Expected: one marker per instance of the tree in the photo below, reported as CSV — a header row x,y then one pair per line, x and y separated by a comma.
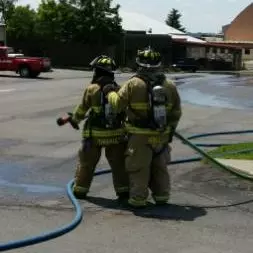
x,y
6,9
94,22
98,21
173,20
57,20
21,24
89,21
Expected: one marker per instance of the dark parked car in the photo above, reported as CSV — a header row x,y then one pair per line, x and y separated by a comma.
x,y
186,64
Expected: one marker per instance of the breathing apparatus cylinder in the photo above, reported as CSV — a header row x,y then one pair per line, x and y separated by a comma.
x,y
159,106
109,114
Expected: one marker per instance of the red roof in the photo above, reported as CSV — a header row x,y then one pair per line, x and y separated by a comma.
x,y
207,44
222,45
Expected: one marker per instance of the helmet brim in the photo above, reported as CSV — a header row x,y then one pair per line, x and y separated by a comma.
x,y
145,65
105,69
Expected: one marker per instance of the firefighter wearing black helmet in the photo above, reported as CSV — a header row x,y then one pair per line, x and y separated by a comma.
x,y
153,109
102,128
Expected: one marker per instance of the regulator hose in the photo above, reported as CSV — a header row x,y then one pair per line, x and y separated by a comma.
x,y
79,214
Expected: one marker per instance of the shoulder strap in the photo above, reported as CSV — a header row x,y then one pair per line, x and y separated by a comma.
x,y
145,79
149,96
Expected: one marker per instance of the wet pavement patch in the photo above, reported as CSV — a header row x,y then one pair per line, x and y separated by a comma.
x,y
222,91
239,81
7,143
194,96
209,177
30,188
18,176
11,170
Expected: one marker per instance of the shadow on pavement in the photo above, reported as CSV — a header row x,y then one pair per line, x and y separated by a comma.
x,y
166,212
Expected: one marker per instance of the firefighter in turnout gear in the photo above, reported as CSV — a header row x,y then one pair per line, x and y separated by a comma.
x,y
102,128
153,109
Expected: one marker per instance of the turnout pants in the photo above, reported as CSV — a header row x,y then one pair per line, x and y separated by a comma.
x,y
88,157
147,169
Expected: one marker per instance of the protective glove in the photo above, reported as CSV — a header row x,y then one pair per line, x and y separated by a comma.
x,y
172,132
73,122
108,88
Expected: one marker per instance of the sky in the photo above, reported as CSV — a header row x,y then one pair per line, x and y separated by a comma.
x,y
197,15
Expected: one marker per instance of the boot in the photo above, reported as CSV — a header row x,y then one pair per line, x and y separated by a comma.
x,y
123,197
135,205
79,192
161,203
80,195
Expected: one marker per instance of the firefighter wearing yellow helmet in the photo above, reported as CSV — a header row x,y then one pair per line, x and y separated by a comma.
x,y
153,109
102,128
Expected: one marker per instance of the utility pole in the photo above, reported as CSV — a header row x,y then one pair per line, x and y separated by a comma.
x,y
124,49
3,33
150,36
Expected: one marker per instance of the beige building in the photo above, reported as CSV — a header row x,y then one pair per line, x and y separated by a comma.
x,y
246,48
209,55
195,52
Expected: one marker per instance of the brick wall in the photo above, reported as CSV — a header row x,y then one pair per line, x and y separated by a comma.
x,y
241,29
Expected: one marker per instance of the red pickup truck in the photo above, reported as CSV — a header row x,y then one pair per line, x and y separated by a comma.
x,y
25,66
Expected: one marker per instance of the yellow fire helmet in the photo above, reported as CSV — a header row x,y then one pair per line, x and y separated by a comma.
x,y
103,62
148,58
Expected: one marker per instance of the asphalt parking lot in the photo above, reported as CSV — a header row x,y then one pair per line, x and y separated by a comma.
x,y
210,211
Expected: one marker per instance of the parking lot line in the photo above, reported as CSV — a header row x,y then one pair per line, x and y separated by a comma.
x,y
7,90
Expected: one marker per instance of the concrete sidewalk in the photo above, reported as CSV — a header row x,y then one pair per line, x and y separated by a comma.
x,y
238,165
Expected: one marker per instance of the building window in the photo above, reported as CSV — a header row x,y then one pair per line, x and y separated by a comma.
x,y
247,51
222,50
215,50
208,49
